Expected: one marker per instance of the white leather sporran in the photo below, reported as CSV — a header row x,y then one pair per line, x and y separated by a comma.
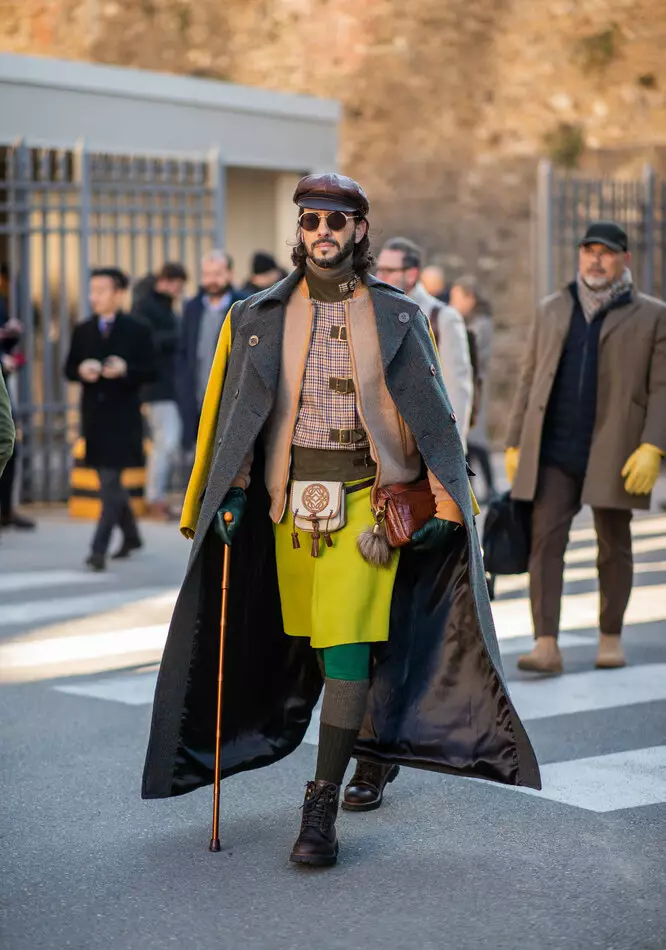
x,y
319,508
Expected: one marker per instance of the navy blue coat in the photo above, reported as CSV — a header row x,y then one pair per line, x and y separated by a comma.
x,y
186,364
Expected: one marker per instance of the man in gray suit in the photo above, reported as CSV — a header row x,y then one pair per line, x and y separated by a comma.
x,y
399,263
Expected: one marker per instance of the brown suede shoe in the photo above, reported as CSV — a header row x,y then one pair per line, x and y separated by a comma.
x,y
610,655
545,658
317,843
366,789
160,511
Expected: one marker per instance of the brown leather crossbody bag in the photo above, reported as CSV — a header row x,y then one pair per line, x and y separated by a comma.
x,y
400,511
406,508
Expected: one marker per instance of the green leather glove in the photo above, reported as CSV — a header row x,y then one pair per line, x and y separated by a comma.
x,y
234,502
435,535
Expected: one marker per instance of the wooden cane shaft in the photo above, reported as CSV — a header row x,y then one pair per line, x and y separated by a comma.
x,y
226,567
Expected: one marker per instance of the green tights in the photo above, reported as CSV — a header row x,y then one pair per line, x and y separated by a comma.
x,y
350,661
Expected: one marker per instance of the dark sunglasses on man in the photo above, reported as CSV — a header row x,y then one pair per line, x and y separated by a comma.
x,y
336,220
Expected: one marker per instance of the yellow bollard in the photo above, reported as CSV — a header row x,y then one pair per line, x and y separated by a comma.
x,y
84,486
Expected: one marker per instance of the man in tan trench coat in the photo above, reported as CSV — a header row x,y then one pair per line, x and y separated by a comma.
x,y
588,426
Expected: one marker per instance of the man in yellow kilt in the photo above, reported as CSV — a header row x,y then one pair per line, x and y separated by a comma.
x,y
325,411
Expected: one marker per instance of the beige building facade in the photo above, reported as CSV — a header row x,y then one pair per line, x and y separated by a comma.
x,y
256,143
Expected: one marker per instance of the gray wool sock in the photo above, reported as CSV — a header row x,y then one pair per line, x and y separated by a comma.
x,y
342,713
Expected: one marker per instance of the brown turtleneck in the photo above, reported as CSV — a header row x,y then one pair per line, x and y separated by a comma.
x,y
331,283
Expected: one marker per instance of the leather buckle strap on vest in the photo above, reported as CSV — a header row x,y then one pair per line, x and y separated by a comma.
x,y
340,385
346,436
339,333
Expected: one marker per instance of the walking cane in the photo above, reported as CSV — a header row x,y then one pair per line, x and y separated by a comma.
x,y
226,564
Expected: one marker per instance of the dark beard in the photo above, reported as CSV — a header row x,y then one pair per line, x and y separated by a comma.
x,y
215,290
345,251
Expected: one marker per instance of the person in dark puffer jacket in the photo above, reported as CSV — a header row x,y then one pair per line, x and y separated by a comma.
x,y
154,302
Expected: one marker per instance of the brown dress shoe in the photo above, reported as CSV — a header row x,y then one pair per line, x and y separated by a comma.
x,y
366,789
610,655
160,511
544,658
317,843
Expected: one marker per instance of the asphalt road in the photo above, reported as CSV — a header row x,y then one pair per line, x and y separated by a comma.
x,y
446,863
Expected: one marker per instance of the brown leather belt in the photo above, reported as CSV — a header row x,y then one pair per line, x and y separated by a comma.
x,y
346,436
334,465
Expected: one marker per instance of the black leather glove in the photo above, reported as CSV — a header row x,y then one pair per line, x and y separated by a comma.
x,y
234,502
435,535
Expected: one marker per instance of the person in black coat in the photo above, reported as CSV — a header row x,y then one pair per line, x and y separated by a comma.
x,y
7,432
155,306
112,354
11,361
202,321
265,273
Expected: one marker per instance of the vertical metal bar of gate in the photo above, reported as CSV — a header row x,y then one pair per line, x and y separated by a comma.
x,y
662,239
133,201
82,176
545,276
45,196
63,315
22,289
649,230
150,206
218,182
199,202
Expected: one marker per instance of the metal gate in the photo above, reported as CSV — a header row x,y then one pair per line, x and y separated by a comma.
x,y
63,211
566,204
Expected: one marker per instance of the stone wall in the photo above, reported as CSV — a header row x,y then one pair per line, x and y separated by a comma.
x,y
448,104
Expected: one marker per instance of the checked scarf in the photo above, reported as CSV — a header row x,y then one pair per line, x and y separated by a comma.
x,y
592,301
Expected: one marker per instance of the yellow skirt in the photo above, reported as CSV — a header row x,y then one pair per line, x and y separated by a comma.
x,y
337,597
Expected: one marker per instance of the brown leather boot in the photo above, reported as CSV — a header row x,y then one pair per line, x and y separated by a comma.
x,y
610,655
317,844
544,658
366,789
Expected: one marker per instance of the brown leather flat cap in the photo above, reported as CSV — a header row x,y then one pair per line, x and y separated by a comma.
x,y
331,192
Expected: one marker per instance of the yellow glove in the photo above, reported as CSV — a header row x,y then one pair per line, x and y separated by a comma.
x,y
642,469
511,459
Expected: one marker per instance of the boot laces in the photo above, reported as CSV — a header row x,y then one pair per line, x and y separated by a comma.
x,y
318,807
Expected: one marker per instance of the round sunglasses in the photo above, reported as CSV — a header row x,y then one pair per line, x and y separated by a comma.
x,y
336,220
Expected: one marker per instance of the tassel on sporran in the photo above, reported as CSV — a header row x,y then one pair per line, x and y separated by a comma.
x,y
373,544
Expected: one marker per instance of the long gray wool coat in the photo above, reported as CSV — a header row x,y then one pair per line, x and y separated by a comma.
x,y
438,699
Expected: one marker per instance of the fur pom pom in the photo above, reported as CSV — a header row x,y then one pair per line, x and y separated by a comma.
x,y
373,546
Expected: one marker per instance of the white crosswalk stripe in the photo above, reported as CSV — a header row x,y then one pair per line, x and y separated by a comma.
x,y
12,582
40,611
586,692
124,629
604,783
